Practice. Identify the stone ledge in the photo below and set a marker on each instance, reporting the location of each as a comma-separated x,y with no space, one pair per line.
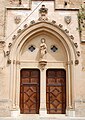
18,8
67,9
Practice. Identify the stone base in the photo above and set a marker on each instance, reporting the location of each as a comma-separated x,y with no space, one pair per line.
5,108
70,113
5,113
15,113
80,108
43,112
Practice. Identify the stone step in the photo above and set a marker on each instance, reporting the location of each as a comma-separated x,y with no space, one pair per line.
33,117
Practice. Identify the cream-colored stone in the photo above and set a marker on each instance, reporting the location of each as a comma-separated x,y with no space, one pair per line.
55,31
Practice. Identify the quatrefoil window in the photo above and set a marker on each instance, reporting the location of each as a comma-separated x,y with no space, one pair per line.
31,48
54,48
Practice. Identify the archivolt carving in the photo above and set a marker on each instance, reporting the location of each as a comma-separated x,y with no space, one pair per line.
42,25
58,32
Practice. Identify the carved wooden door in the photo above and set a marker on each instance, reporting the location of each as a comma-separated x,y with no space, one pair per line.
56,91
29,91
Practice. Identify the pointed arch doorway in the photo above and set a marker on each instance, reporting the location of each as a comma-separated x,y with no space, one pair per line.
64,58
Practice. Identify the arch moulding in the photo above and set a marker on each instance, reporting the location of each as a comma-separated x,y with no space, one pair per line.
25,35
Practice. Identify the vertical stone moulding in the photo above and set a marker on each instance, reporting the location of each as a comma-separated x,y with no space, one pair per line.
2,43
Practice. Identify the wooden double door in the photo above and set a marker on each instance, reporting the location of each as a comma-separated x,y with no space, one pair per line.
55,91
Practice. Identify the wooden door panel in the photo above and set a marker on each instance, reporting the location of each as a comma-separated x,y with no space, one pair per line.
56,91
29,91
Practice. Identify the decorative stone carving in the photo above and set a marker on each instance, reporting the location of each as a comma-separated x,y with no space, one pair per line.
43,11
17,19
71,37
42,64
14,37
76,62
25,26
43,51
67,19
8,61
10,44
2,42
53,21
76,45
7,53
66,31
19,31
32,22
70,62
78,53
60,25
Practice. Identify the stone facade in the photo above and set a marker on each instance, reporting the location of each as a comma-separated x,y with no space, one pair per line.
22,26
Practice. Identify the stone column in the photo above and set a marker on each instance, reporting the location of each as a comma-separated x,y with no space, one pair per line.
70,111
69,87
18,85
43,110
16,88
14,85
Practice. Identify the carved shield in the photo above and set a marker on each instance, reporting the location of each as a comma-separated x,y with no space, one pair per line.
67,19
17,19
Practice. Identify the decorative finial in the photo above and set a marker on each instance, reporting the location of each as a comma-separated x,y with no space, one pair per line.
43,11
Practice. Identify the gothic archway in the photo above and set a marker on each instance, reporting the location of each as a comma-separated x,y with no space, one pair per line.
26,35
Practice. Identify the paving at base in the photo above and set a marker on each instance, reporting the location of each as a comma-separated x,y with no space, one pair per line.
33,117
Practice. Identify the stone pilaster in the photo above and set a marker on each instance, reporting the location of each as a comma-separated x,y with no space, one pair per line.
43,110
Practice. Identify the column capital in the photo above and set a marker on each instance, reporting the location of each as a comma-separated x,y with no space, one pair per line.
70,62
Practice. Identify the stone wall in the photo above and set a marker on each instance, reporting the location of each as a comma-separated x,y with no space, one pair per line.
2,18
67,4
